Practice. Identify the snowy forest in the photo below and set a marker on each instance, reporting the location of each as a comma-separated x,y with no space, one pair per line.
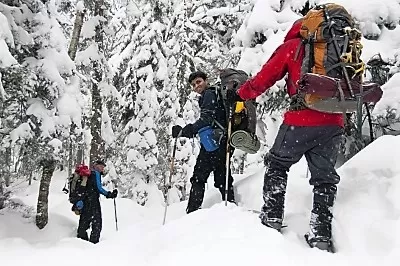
87,80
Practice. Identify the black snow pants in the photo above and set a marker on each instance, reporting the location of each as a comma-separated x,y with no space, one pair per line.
90,217
320,146
206,163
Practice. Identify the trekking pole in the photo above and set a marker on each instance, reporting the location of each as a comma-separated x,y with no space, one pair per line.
228,159
171,171
115,214
371,129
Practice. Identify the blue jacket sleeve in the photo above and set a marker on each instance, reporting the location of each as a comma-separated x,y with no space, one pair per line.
98,184
208,109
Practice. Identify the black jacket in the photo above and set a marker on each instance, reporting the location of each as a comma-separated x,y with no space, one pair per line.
211,108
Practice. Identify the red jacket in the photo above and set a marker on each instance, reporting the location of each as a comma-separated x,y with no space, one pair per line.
281,62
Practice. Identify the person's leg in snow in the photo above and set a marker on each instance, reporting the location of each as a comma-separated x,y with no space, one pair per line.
320,146
84,222
96,223
321,161
281,157
90,217
201,172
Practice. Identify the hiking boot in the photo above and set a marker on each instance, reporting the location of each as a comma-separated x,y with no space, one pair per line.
231,194
271,223
323,244
274,225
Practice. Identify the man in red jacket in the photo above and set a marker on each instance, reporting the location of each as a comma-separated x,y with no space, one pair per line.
307,132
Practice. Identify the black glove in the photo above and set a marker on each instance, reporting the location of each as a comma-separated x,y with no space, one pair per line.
176,130
112,195
187,131
232,96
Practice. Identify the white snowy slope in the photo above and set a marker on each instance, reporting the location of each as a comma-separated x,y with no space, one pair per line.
366,224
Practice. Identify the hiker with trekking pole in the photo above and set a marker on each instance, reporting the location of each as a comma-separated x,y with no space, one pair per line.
213,154
223,126
84,195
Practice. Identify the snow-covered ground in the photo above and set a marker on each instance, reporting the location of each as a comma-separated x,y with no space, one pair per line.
366,224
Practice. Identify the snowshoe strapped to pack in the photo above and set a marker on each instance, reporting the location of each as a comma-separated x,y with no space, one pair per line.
335,97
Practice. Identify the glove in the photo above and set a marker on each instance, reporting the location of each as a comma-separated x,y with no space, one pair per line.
112,195
79,205
175,131
232,96
187,131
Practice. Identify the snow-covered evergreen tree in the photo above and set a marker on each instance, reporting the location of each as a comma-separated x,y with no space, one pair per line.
147,104
42,97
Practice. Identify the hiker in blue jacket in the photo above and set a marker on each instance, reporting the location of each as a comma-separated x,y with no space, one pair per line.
89,206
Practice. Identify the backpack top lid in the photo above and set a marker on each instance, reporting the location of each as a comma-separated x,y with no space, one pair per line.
82,170
231,79
319,20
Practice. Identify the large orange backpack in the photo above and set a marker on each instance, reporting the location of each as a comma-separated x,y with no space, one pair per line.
332,68
332,42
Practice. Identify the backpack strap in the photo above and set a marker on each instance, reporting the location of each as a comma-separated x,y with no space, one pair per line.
308,60
219,125
341,64
298,49
217,90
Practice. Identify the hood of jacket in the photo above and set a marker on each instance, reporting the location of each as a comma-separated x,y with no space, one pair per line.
294,31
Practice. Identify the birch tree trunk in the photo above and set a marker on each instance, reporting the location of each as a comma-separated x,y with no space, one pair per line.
97,148
42,212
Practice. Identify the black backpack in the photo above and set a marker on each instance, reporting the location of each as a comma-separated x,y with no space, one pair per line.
244,116
77,183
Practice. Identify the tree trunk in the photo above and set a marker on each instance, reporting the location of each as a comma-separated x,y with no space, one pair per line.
80,153
97,148
70,157
73,46
184,196
7,176
2,197
42,214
